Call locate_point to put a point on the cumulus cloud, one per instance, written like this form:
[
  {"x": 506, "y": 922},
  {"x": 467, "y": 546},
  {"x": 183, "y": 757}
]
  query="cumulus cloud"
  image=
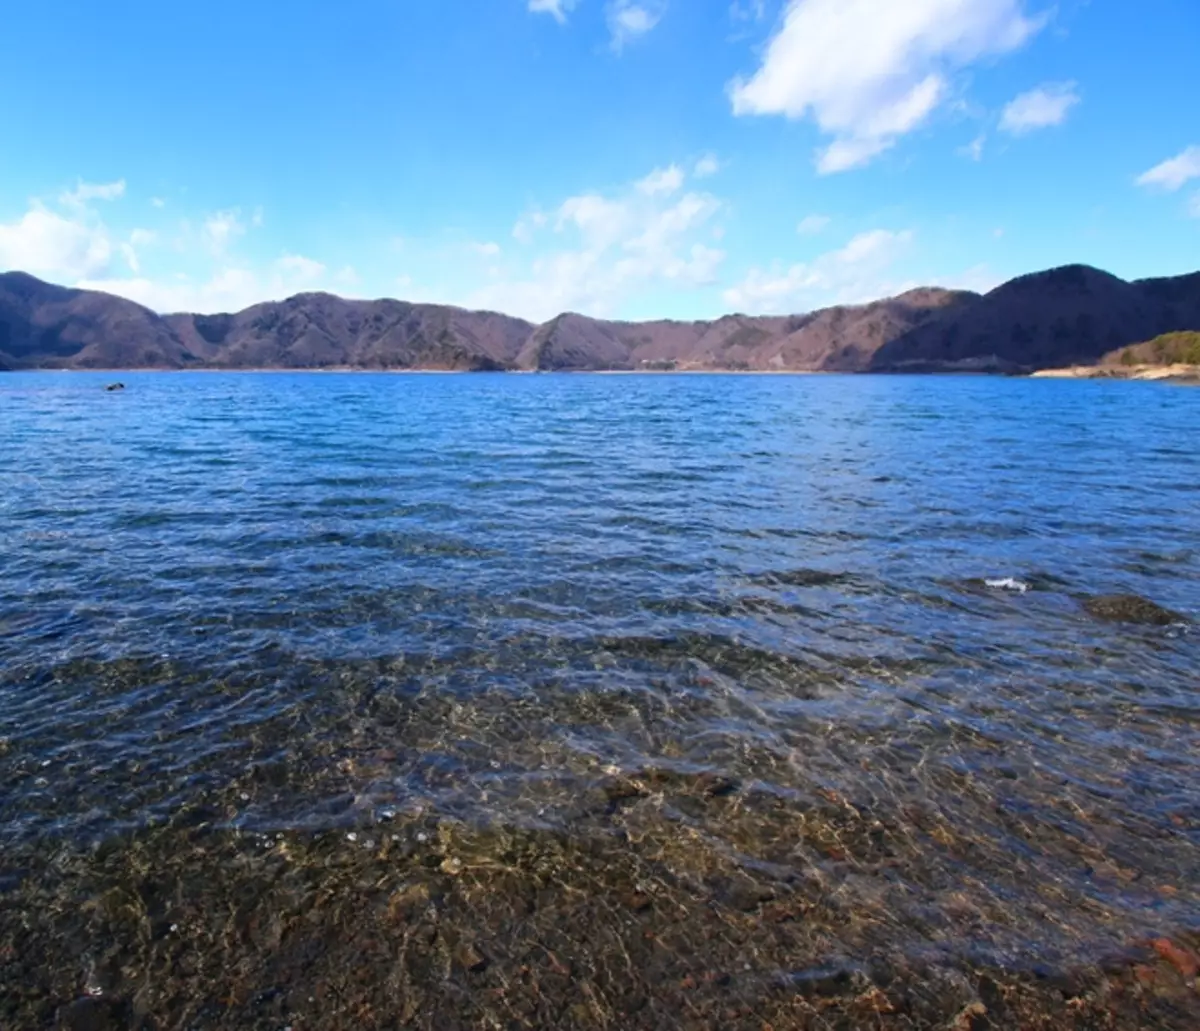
[
  {"x": 1174, "y": 173},
  {"x": 856, "y": 273},
  {"x": 52, "y": 246},
  {"x": 1040, "y": 108},
  {"x": 870, "y": 71},
  {"x": 706, "y": 167},
  {"x": 595, "y": 251},
  {"x": 299, "y": 269},
  {"x": 812, "y": 224},
  {"x": 629, "y": 20},
  {"x": 557, "y": 9}
]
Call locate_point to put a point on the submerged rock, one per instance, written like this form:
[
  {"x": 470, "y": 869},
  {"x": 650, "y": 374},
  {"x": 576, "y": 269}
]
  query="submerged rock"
[{"x": 1130, "y": 608}]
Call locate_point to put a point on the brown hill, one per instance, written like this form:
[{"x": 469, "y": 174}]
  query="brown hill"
[
  {"x": 832, "y": 339},
  {"x": 314, "y": 331},
  {"x": 1065, "y": 316},
  {"x": 50, "y": 327}
]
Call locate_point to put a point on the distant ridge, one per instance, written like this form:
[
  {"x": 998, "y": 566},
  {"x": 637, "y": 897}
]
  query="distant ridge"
[{"x": 1072, "y": 315}]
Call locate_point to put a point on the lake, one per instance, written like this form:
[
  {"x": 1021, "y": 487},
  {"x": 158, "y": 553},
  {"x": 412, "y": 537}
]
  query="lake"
[{"x": 355, "y": 700}]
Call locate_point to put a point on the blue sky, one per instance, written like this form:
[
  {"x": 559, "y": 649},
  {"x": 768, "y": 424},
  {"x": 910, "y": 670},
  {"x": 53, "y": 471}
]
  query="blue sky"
[{"x": 623, "y": 158}]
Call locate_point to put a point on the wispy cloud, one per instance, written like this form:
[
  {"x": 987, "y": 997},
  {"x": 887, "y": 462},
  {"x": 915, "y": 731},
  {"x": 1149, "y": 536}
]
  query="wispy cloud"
[
  {"x": 629, "y": 20},
  {"x": 707, "y": 166},
  {"x": 85, "y": 192},
  {"x": 857, "y": 272},
  {"x": 662, "y": 181},
  {"x": 811, "y": 225},
  {"x": 1174, "y": 173},
  {"x": 974, "y": 149},
  {"x": 221, "y": 229},
  {"x": 557, "y": 9},
  {"x": 1040, "y": 108}
]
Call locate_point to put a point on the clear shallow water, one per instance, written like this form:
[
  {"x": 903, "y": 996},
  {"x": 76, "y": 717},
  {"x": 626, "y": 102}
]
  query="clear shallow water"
[{"x": 745, "y": 611}]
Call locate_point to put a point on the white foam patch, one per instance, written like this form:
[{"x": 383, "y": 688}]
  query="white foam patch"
[{"x": 1008, "y": 583}]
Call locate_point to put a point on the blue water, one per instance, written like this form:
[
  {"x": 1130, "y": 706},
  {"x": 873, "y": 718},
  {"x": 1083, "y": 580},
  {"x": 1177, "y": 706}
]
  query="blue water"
[{"x": 479, "y": 595}]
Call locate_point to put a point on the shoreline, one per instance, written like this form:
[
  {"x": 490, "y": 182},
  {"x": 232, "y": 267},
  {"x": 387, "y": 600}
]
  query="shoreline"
[
  {"x": 1186, "y": 374},
  {"x": 1176, "y": 374}
]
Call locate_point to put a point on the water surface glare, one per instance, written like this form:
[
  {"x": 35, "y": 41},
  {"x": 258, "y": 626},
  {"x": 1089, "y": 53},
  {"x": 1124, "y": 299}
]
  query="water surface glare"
[{"x": 733, "y": 635}]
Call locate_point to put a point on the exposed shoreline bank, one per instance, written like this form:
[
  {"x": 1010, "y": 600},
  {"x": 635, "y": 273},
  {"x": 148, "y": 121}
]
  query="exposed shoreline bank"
[{"x": 1147, "y": 373}]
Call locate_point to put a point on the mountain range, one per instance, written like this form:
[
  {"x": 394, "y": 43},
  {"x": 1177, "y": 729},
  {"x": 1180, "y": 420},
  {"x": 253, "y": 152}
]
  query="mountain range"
[{"x": 1064, "y": 316}]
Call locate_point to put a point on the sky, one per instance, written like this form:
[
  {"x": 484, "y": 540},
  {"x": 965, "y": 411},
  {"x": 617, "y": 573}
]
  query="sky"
[{"x": 620, "y": 158}]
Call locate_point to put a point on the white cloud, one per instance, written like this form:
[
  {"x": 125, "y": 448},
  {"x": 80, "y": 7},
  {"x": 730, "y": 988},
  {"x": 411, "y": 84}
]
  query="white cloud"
[
  {"x": 707, "y": 167},
  {"x": 856, "y": 273},
  {"x": 974, "y": 149},
  {"x": 484, "y": 250},
  {"x": 595, "y": 251},
  {"x": 46, "y": 244},
  {"x": 870, "y": 71},
  {"x": 980, "y": 279},
  {"x": 1174, "y": 173},
  {"x": 84, "y": 192},
  {"x": 158, "y": 202},
  {"x": 812, "y": 224},
  {"x": 629, "y": 20},
  {"x": 557, "y": 9},
  {"x": 299, "y": 269},
  {"x": 227, "y": 289},
  {"x": 662, "y": 181},
  {"x": 1039, "y": 108},
  {"x": 221, "y": 229}
]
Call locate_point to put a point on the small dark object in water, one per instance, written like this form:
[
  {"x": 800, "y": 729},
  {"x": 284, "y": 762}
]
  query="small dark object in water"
[
  {"x": 115, "y": 386},
  {"x": 1130, "y": 608}
]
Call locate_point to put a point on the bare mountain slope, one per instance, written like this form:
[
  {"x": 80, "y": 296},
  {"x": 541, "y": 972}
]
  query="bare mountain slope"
[
  {"x": 46, "y": 326},
  {"x": 322, "y": 331},
  {"x": 843, "y": 338},
  {"x": 1064, "y": 316}
]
